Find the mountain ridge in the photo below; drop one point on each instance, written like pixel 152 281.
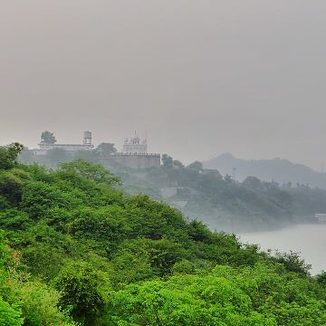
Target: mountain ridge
pixel 278 170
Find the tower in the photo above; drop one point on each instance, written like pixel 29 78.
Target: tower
pixel 87 138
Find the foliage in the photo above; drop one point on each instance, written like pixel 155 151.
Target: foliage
pixel 48 137
pixel 79 284
pixel 177 164
pixel 198 166
pixel 167 161
pixel 75 249
pixel 11 187
pixel 321 278
pixel 40 305
pixel 105 149
pixel 224 296
pixel 9 155
pixel 220 201
pixel 94 172
pixel 293 262
pixel 8 315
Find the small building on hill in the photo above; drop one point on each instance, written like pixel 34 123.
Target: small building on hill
pixel 48 143
pixel 135 145
pixel 134 154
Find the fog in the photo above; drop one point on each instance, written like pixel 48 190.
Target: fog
pixel 199 78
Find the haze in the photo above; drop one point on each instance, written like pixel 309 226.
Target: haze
pixel 198 77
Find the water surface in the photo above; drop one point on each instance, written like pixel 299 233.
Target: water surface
pixel 308 239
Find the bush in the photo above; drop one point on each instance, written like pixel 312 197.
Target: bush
pixel 8 315
pixel 11 188
pixel 79 285
pixel 9 155
pixel 39 305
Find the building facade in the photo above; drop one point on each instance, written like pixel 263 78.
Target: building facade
pixel 134 153
pixel 86 145
pixel 135 160
pixel 135 145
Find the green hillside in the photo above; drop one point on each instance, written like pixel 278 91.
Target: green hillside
pixel 76 250
pixel 207 195
pixel 225 204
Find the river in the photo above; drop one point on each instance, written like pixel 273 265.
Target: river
pixel 308 239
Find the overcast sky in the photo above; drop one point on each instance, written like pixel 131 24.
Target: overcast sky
pixel 199 77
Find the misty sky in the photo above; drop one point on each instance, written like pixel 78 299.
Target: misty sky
pixel 200 77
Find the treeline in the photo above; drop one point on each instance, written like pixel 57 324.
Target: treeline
pixel 225 203
pixel 75 250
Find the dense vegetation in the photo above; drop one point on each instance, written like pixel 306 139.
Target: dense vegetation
pixel 76 250
pixel 224 203
pixel 219 201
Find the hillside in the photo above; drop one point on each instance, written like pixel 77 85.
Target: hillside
pixel 224 204
pixel 278 170
pixel 75 249
pixel 227 205
pixel 219 201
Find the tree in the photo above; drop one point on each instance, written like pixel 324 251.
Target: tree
pixel 203 300
pixel 48 137
pixel 321 278
pixel 9 155
pixel 105 149
pixel 8 315
pixel 167 161
pixel 95 172
pixel 293 262
pixel 177 164
pixel 198 166
pixel 79 285
pixel 228 178
pixel 11 187
pixel 39 305
pixel 253 183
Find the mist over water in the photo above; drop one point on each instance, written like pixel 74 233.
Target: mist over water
pixel 308 239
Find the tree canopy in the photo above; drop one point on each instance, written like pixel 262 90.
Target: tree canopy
pixel 48 137
pixel 9 155
pixel 76 250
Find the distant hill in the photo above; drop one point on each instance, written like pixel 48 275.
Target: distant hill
pixel 278 170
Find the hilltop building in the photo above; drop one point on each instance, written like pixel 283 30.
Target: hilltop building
pixel 45 145
pixel 134 153
pixel 135 145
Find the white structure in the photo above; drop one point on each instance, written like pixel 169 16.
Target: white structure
pixel 135 146
pixel 85 146
pixel 88 139
pixel 134 154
